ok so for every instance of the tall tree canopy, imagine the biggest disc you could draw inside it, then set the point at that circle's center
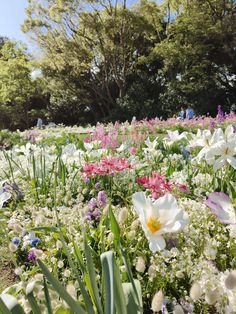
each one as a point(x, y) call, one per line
point(17, 88)
point(103, 60)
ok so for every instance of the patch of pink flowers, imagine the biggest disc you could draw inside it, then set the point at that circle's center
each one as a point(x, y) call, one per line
point(107, 166)
point(108, 139)
point(159, 185)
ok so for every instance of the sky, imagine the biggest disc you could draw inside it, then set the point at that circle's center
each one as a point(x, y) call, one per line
point(12, 15)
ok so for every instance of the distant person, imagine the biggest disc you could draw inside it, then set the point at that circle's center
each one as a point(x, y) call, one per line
point(181, 114)
point(189, 113)
point(39, 123)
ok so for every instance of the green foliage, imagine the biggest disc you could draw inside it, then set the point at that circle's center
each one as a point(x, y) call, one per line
point(104, 61)
point(17, 88)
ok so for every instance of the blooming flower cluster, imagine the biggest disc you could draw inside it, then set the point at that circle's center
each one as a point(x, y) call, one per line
point(158, 185)
point(107, 166)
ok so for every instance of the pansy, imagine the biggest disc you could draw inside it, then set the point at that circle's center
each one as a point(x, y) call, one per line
point(159, 217)
point(221, 207)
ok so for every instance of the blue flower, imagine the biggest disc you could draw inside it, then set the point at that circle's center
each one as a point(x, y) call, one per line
point(34, 242)
point(16, 241)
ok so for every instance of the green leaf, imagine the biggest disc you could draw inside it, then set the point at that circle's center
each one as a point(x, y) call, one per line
point(74, 306)
point(10, 305)
point(45, 229)
point(132, 306)
point(114, 295)
point(130, 275)
point(114, 225)
point(92, 276)
point(87, 300)
point(47, 297)
point(33, 303)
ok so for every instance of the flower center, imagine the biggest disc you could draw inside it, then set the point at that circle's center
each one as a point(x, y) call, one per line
point(153, 224)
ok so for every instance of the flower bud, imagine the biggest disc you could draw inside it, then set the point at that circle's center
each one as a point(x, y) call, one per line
point(152, 271)
point(110, 237)
point(122, 215)
point(157, 301)
point(195, 291)
point(131, 235)
point(18, 271)
point(72, 291)
point(12, 247)
point(179, 274)
point(17, 228)
point(178, 309)
point(59, 244)
point(140, 264)
point(135, 224)
point(230, 281)
point(211, 296)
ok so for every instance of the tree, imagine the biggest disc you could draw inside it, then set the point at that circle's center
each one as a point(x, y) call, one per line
point(92, 50)
point(17, 88)
point(199, 53)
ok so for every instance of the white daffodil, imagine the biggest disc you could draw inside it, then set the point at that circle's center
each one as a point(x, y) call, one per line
point(224, 153)
point(122, 148)
point(159, 217)
point(92, 145)
point(151, 145)
point(174, 136)
point(207, 141)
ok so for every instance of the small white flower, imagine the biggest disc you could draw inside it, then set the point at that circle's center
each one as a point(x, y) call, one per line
point(60, 264)
point(67, 273)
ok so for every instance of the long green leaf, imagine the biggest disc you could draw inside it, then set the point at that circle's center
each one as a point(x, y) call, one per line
point(108, 276)
point(47, 297)
point(92, 276)
point(132, 306)
point(10, 305)
point(33, 303)
point(87, 300)
point(74, 306)
point(114, 295)
point(114, 225)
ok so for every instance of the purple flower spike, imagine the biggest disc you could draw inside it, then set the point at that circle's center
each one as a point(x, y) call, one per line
point(97, 185)
point(32, 256)
point(221, 207)
point(102, 198)
point(92, 203)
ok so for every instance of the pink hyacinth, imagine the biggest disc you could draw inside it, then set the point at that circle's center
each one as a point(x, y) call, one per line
point(108, 166)
point(159, 185)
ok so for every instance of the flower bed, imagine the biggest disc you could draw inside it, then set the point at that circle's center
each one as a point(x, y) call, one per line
point(159, 210)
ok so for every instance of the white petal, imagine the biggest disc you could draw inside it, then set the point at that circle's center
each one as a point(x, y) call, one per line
point(232, 162)
point(218, 163)
point(157, 243)
point(5, 196)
